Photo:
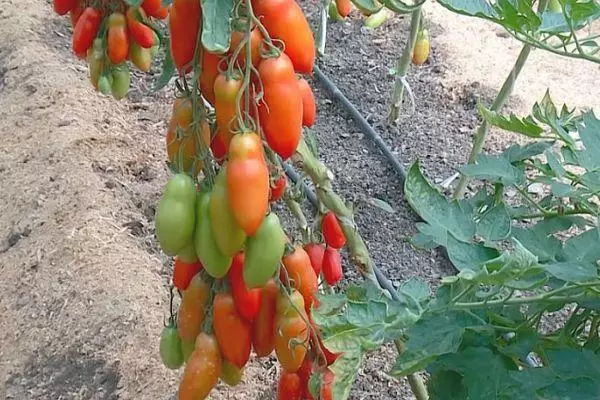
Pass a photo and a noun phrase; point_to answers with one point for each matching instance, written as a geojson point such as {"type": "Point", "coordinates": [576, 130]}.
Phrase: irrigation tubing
{"type": "Point", "coordinates": [383, 281]}
{"type": "Point", "coordinates": [362, 123]}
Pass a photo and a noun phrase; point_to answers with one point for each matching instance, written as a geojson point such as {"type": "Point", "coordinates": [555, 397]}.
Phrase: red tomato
{"type": "Point", "coordinates": [219, 147]}
{"type": "Point", "coordinates": [118, 41]}
{"type": "Point", "coordinates": [301, 274]}
{"type": "Point", "coordinates": [277, 188]}
{"type": "Point", "coordinates": [75, 13]}
{"type": "Point", "coordinates": [289, 387]}
{"type": "Point", "coordinates": [140, 33]}
{"type": "Point", "coordinates": [86, 29]}
{"type": "Point", "coordinates": [202, 370]}
{"type": "Point", "coordinates": [155, 9]}
{"type": "Point", "coordinates": [332, 231]}
{"type": "Point", "coordinates": [247, 301]}
{"type": "Point", "coordinates": [64, 6]}
{"type": "Point", "coordinates": [332, 266]}
{"type": "Point", "coordinates": [263, 337]}
{"type": "Point", "coordinates": [309, 106]}
{"type": "Point", "coordinates": [184, 23]}
{"type": "Point", "coordinates": [327, 385]}
{"type": "Point", "coordinates": [184, 272]}
{"type": "Point", "coordinates": [210, 71]}
{"type": "Point", "coordinates": [285, 21]}
{"type": "Point", "coordinates": [344, 7]}
{"type": "Point", "coordinates": [281, 107]}
{"type": "Point", "coordinates": [233, 333]}
{"type": "Point", "coordinates": [315, 252]}
{"type": "Point", "coordinates": [247, 182]}
{"type": "Point", "coordinates": [305, 373]}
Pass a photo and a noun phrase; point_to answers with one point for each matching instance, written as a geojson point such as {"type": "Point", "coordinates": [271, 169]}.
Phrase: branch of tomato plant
{"type": "Point", "coordinates": [501, 97]}
{"type": "Point", "coordinates": [414, 380]}
{"type": "Point", "coordinates": [402, 66]}
{"type": "Point", "coordinates": [322, 28]}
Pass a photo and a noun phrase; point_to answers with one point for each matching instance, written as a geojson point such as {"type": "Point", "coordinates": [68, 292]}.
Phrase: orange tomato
{"type": "Point", "coordinates": [256, 39]}
{"type": "Point", "coordinates": [301, 274]}
{"type": "Point", "coordinates": [185, 19]}
{"type": "Point", "coordinates": [210, 71]}
{"type": "Point", "coordinates": [233, 332]}
{"type": "Point", "coordinates": [309, 106]}
{"type": "Point", "coordinates": [263, 335]}
{"type": "Point", "coordinates": [291, 336]}
{"type": "Point", "coordinates": [190, 316]}
{"type": "Point", "coordinates": [202, 370]}
{"type": "Point", "coordinates": [226, 91]}
{"type": "Point", "coordinates": [118, 40]}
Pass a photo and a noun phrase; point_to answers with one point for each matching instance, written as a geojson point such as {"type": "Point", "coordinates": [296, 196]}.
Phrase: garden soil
{"type": "Point", "coordinates": [83, 287]}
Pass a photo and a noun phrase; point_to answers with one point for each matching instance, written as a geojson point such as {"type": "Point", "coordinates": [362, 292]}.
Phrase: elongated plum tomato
{"type": "Point", "coordinates": [263, 335]}
{"type": "Point", "coordinates": [255, 42]}
{"type": "Point", "coordinates": [184, 23]}
{"type": "Point", "coordinates": [229, 236]}
{"type": "Point", "coordinates": [190, 316]}
{"type": "Point", "coordinates": [175, 214]}
{"type": "Point", "coordinates": [141, 33]}
{"type": "Point", "coordinates": [291, 332]}
{"type": "Point", "coordinates": [118, 40]}
{"type": "Point", "coordinates": [170, 348]}
{"type": "Point", "coordinates": [202, 370]}
{"type": "Point", "coordinates": [225, 95]}
{"type": "Point", "coordinates": [154, 8]}
{"type": "Point", "coordinates": [332, 266]}
{"type": "Point", "coordinates": [289, 387]}
{"type": "Point", "coordinates": [86, 29]}
{"type": "Point", "coordinates": [332, 231]}
{"type": "Point", "coordinates": [263, 252]}
{"type": "Point", "coordinates": [140, 57]}
{"type": "Point", "coordinates": [233, 332]}
{"type": "Point", "coordinates": [121, 78]}
{"type": "Point", "coordinates": [309, 106]}
{"type": "Point", "coordinates": [247, 301]}
{"type": "Point", "coordinates": [214, 261]}
{"type": "Point", "coordinates": [421, 50]}
{"type": "Point", "coordinates": [285, 21]}
{"type": "Point", "coordinates": [301, 274]}
{"type": "Point", "coordinates": [184, 272]}
{"type": "Point", "coordinates": [281, 109]}
{"type": "Point", "coordinates": [315, 252]}
{"type": "Point", "coordinates": [344, 7]}
{"type": "Point", "coordinates": [210, 71]}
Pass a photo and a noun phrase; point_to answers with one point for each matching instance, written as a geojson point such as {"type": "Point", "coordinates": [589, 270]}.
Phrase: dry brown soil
{"type": "Point", "coordinates": [83, 287]}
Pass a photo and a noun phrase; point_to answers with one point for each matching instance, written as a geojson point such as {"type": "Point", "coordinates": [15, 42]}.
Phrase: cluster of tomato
{"type": "Point", "coordinates": [243, 284]}
{"type": "Point", "coordinates": [108, 34]}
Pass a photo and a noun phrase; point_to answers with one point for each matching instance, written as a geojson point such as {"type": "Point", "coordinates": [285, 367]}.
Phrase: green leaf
{"type": "Point", "coordinates": [382, 205]}
{"type": "Point", "coordinates": [168, 68]}
{"type": "Point", "coordinates": [537, 241]}
{"type": "Point", "coordinates": [345, 370]}
{"type": "Point", "coordinates": [469, 256]}
{"type": "Point", "coordinates": [584, 247]}
{"type": "Point", "coordinates": [589, 131]}
{"type": "Point", "coordinates": [517, 152]}
{"type": "Point", "coordinates": [430, 236]}
{"type": "Point", "coordinates": [554, 163]}
{"type": "Point", "coordinates": [434, 208]}
{"type": "Point", "coordinates": [216, 26]}
{"type": "Point", "coordinates": [525, 126]}
{"type": "Point", "coordinates": [446, 385]}
{"type": "Point", "coordinates": [573, 271]}
{"type": "Point", "coordinates": [435, 334]}
{"type": "Point", "coordinates": [495, 223]}
{"type": "Point", "coordinates": [495, 169]}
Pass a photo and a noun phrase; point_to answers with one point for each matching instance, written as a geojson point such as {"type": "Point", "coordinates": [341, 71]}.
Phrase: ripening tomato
{"type": "Point", "coordinates": [86, 29]}
{"type": "Point", "coordinates": [202, 370]}
{"type": "Point", "coordinates": [154, 8]}
{"type": "Point", "coordinates": [140, 57]}
{"type": "Point", "coordinates": [332, 231]}
{"type": "Point", "coordinates": [309, 106]}
{"type": "Point", "coordinates": [229, 236]}
{"type": "Point", "coordinates": [141, 33]}
{"type": "Point", "coordinates": [210, 71]}
{"type": "Point", "coordinates": [61, 7]}
{"type": "Point", "coordinates": [344, 7]}
{"type": "Point", "coordinates": [183, 273]}
{"type": "Point", "coordinates": [219, 147]}
{"type": "Point", "coordinates": [185, 18]}
{"type": "Point", "coordinates": [301, 274]}
{"type": "Point", "coordinates": [121, 79]}
{"type": "Point", "coordinates": [263, 335]}
{"type": "Point", "coordinates": [289, 387]}
{"type": "Point", "coordinates": [277, 188]}
{"type": "Point", "coordinates": [291, 336]}
{"type": "Point", "coordinates": [256, 39]}
{"type": "Point", "coordinates": [230, 374]}
{"type": "Point", "coordinates": [190, 316]}
{"type": "Point", "coordinates": [118, 40]}
{"type": "Point", "coordinates": [280, 110]}
{"type": "Point", "coordinates": [289, 305]}
{"type": "Point", "coordinates": [170, 348]}
{"type": "Point", "coordinates": [233, 332]}
{"type": "Point", "coordinates": [95, 59]}
{"type": "Point", "coordinates": [332, 266]}
{"type": "Point", "coordinates": [263, 252]}
{"type": "Point", "coordinates": [247, 301]}
{"type": "Point", "coordinates": [188, 253]}
{"type": "Point", "coordinates": [183, 147]}
{"type": "Point", "coordinates": [285, 21]}
{"type": "Point", "coordinates": [187, 348]}
{"type": "Point", "coordinates": [214, 261]}
{"type": "Point", "coordinates": [315, 252]}
{"type": "Point", "coordinates": [175, 214]}
{"type": "Point", "coordinates": [226, 90]}
{"type": "Point", "coordinates": [421, 50]}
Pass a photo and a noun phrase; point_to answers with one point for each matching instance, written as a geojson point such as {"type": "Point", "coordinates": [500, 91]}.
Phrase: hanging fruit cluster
{"type": "Point", "coordinates": [244, 285]}
{"type": "Point", "coordinates": [110, 33]}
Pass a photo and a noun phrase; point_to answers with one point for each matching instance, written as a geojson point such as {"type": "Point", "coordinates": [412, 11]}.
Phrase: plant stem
{"type": "Point", "coordinates": [505, 92]}
{"type": "Point", "coordinates": [414, 380]}
{"type": "Point", "coordinates": [402, 67]}
{"type": "Point", "coordinates": [322, 30]}
{"type": "Point", "coordinates": [320, 176]}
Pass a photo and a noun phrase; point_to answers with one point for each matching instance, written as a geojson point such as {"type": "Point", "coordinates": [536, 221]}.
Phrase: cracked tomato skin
{"type": "Point", "coordinates": [202, 370]}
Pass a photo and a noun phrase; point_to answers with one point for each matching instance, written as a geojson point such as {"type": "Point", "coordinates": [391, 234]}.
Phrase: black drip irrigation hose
{"type": "Point", "coordinates": [383, 281]}
{"type": "Point", "coordinates": [362, 123]}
